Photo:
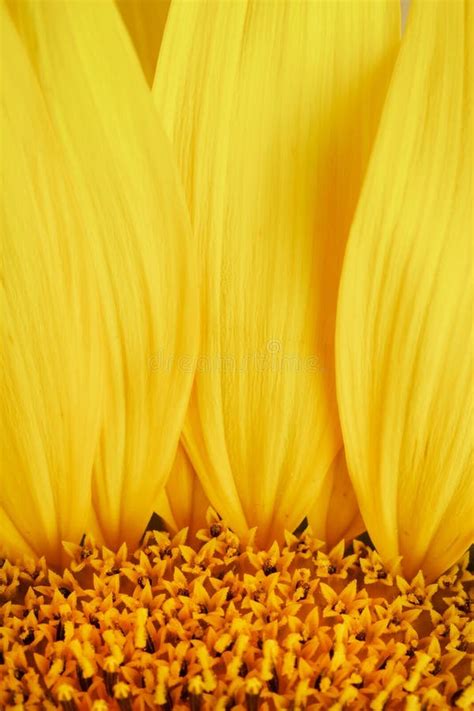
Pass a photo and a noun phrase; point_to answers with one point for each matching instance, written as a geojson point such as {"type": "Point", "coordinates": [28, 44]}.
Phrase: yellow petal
{"type": "Point", "coordinates": [183, 503]}
{"type": "Point", "coordinates": [52, 375]}
{"type": "Point", "coordinates": [141, 247]}
{"type": "Point", "coordinates": [12, 542]}
{"type": "Point", "coordinates": [271, 109]}
{"type": "Point", "coordinates": [145, 21]}
{"type": "Point", "coordinates": [339, 518]}
{"type": "Point", "coordinates": [404, 345]}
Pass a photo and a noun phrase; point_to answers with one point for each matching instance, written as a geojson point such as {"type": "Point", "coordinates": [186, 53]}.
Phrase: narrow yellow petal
{"type": "Point", "coordinates": [51, 386]}
{"type": "Point", "coordinates": [145, 21]}
{"type": "Point", "coordinates": [405, 331]}
{"type": "Point", "coordinates": [140, 246]}
{"type": "Point", "coordinates": [339, 518]}
{"type": "Point", "coordinates": [13, 543]}
{"type": "Point", "coordinates": [162, 508]}
{"type": "Point", "coordinates": [183, 503]}
{"type": "Point", "coordinates": [271, 109]}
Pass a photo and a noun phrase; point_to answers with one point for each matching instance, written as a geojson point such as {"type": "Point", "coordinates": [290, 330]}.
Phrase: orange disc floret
{"type": "Point", "coordinates": [216, 623]}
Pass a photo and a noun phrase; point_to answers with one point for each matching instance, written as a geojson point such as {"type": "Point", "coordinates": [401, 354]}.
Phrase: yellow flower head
{"type": "Point", "coordinates": [236, 303]}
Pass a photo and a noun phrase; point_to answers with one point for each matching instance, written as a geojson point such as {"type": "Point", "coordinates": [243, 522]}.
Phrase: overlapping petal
{"type": "Point", "coordinates": [405, 331]}
{"type": "Point", "coordinates": [145, 21]}
{"type": "Point", "coordinates": [138, 242]}
{"type": "Point", "coordinates": [52, 373]}
{"type": "Point", "coordinates": [183, 503]}
{"type": "Point", "coordinates": [271, 109]}
{"type": "Point", "coordinates": [336, 512]}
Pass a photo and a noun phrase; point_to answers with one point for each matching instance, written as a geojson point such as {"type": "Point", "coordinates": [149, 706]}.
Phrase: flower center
{"type": "Point", "coordinates": [221, 624]}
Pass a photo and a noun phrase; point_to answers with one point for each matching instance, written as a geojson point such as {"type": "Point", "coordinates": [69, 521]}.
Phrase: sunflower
{"type": "Point", "coordinates": [237, 333]}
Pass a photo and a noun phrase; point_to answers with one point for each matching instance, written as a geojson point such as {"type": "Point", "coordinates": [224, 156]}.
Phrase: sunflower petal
{"type": "Point", "coordinates": [404, 344]}
{"type": "Point", "coordinates": [51, 389]}
{"type": "Point", "coordinates": [141, 246]}
{"type": "Point", "coordinates": [342, 519]}
{"type": "Point", "coordinates": [271, 109]}
{"type": "Point", "coordinates": [145, 21]}
{"type": "Point", "coordinates": [183, 502]}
